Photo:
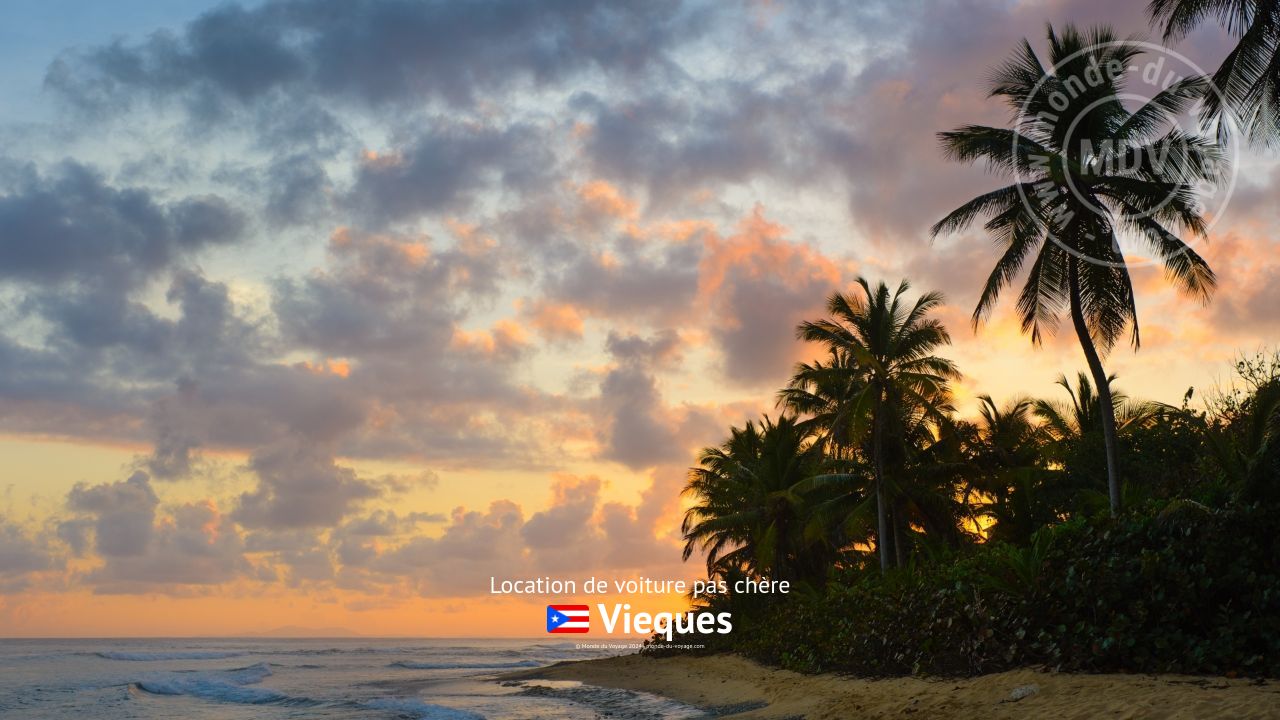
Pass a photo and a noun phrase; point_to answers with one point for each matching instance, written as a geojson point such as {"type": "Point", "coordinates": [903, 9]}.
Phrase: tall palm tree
{"type": "Point", "coordinates": [1086, 169]}
{"type": "Point", "coordinates": [882, 345]}
{"type": "Point", "coordinates": [747, 516]}
{"type": "Point", "coordinates": [1249, 77]}
{"type": "Point", "coordinates": [823, 395]}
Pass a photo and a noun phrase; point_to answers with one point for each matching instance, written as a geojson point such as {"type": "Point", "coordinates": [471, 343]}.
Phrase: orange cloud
{"type": "Point", "coordinates": [758, 286]}
{"type": "Point", "coordinates": [375, 159]}
{"type": "Point", "coordinates": [471, 241]}
{"type": "Point", "coordinates": [413, 251]}
{"type": "Point", "coordinates": [606, 199]}
{"type": "Point", "coordinates": [506, 338]}
{"type": "Point", "coordinates": [330, 366]}
{"type": "Point", "coordinates": [759, 249]}
{"type": "Point", "coordinates": [555, 320]}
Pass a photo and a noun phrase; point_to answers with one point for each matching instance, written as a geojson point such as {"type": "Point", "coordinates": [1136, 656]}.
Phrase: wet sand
{"type": "Point", "coordinates": [731, 686]}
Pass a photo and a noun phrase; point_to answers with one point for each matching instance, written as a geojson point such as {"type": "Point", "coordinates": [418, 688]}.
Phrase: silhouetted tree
{"type": "Point", "coordinates": [1088, 169]}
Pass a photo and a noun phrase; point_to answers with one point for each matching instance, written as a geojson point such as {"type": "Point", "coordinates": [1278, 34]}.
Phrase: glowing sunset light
{"type": "Point", "coordinates": [309, 324]}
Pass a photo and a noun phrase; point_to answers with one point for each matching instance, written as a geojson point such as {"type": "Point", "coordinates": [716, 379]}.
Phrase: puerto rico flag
{"type": "Point", "coordinates": [568, 618]}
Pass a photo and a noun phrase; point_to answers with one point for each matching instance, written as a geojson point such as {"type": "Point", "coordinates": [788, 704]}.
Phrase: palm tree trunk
{"type": "Point", "coordinates": [1106, 409]}
{"type": "Point", "coordinates": [883, 538]}
{"type": "Point", "coordinates": [899, 547]}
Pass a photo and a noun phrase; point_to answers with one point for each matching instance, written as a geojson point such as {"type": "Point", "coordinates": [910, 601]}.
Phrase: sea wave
{"type": "Point", "coordinates": [169, 655]}
{"type": "Point", "coordinates": [410, 665]}
{"type": "Point", "coordinates": [410, 707]}
{"type": "Point", "coordinates": [557, 645]}
{"type": "Point", "coordinates": [220, 685]}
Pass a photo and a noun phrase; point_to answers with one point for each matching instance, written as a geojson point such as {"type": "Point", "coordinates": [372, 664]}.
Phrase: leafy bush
{"type": "Point", "coordinates": [1185, 589]}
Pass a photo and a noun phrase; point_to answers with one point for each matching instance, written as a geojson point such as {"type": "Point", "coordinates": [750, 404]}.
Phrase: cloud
{"type": "Point", "coordinates": [384, 292]}
{"type": "Point", "coordinates": [124, 514]}
{"type": "Point", "coordinates": [716, 133]}
{"type": "Point", "coordinates": [442, 168]}
{"type": "Point", "coordinates": [556, 322]}
{"type": "Point", "coordinates": [145, 550]}
{"type": "Point", "coordinates": [563, 537]}
{"type": "Point", "coordinates": [72, 226]}
{"type": "Point", "coordinates": [300, 486]}
{"type": "Point", "coordinates": [640, 431]}
{"type": "Point", "coordinates": [22, 555]}
{"type": "Point", "coordinates": [663, 349]}
{"type": "Point", "coordinates": [298, 190]}
{"type": "Point", "coordinates": [1249, 291]}
{"type": "Point", "coordinates": [576, 533]}
{"type": "Point", "coordinates": [375, 52]}
{"type": "Point", "coordinates": [654, 283]}
{"type": "Point", "coordinates": [474, 547]}
{"type": "Point", "coordinates": [193, 544]}
{"type": "Point", "coordinates": [760, 286]}
{"type": "Point", "coordinates": [393, 308]}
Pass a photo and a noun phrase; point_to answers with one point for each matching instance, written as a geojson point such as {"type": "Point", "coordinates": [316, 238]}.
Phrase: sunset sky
{"type": "Point", "coordinates": [322, 312]}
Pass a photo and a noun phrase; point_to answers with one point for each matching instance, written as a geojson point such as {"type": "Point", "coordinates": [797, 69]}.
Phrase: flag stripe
{"type": "Point", "coordinates": [568, 619]}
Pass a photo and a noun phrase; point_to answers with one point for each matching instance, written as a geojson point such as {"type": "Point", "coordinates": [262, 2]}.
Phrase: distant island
{"type": "Point", "coordinates": [297, 631]}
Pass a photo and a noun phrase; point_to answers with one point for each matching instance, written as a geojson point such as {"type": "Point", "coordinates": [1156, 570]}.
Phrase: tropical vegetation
{"type": "Point", "coordinates": [1086, 168]}
{"type": "Point", "coordinates": [1085, 531]}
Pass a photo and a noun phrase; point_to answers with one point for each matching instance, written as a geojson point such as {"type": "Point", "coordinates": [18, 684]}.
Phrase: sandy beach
{"type": "Point", "coordinates": [732, 686]}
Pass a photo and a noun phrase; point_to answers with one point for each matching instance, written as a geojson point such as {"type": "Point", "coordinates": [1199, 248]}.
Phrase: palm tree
{"type": "Point", "coordinates": [747, 516]}
{"type": "Point", "coordinates": [1086, 169]}
{"type": "Point", "coordinates": [1248, 449]}
{"type": "Point", "coordinates": [928, 476]}
{"type": "Point", "coordinates": [823, 394]}
{"type": "Point", "coordinates": [1073, 429]}
{"type": "Point", "coordinates": [1009, 469]}
{"type": "Point", "coordinates": [882, 347]}
{"type": "Point", "coordinates": [1082, 416]}
{"type": "Point", "coordinates": [1249, 78]}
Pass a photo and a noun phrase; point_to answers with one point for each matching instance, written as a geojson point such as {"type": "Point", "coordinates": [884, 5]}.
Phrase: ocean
{"type": "Point", "coordinates": [333, 679]}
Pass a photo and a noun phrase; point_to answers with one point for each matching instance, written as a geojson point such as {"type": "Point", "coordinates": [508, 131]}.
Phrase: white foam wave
{"type": "Point", "coordinates": [220, 685]}
{"type": "Point", "coordinates": [419, 710]}
{"type": "Point", "coordinates": [172, 655]}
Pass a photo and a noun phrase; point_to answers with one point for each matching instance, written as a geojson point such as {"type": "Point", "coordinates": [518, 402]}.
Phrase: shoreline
{"type": "Point", "coordinates": [733, 687]}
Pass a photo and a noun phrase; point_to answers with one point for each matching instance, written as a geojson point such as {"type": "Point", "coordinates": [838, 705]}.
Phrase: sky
{"type": "Point", "coordinates": [323, 312]}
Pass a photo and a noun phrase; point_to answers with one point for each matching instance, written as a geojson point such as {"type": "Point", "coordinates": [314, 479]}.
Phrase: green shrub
{"type": "Point", "coordinates": [1185, 590]}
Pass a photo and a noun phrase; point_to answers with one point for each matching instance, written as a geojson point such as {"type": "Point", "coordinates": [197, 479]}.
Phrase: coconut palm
{"type": "Point", "coordinates": [925, 466]}
{"type": "Point", "coordinates": [823, 394]}
{"type": "Point", "coordinates": [1249, 78]}
{"type": "Point", "coordinates": [1009, 470]}
{"type": "Point", "coordinates": [928, 476]}
{"type": "Point", "coordinates": [1074, 430]}
{"type": "Point", "coordinates": [1082, 416]}
{"type": "Point", "coordinates": [1087, 169]}
{"type": "Point", "coordinates": [882, 348]}
{"type": "Point", "coordinates": [1249, 452]}
{"type": "Point", "coordinates": [747, 516]}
